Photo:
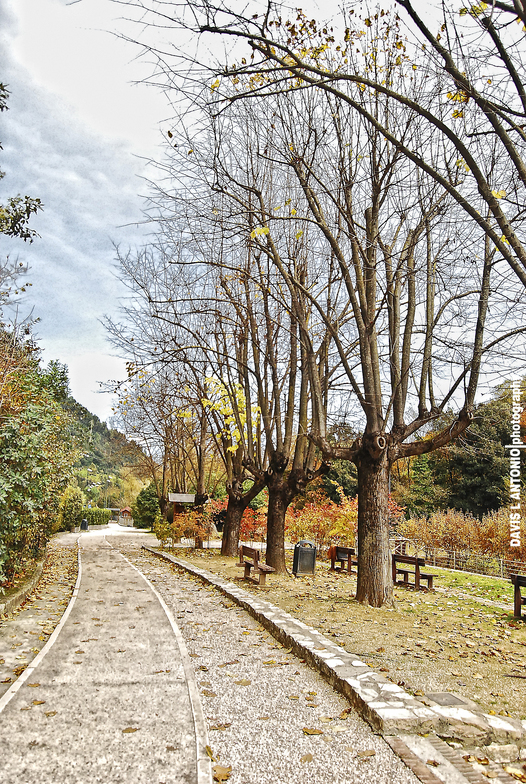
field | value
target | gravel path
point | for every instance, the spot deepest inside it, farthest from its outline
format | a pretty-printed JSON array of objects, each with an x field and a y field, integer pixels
[{"x": 270, "y": 717}]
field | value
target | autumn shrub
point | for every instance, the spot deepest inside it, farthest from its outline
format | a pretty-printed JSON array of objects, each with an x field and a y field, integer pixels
[
  {"x": 254, "y": 525},
  {"x": 462, "y": 532},
  {"x": 323, "y": 521}
]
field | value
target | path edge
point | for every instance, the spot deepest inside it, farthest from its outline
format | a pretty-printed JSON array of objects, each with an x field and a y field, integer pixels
[{"x": 31, "y": 667}]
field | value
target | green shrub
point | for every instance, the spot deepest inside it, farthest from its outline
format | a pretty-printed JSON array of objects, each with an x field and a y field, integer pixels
[
  {"x": 96, "y": 516},
  {"x": 70, "y": 509},
  {"x": 145, "y": 508}
]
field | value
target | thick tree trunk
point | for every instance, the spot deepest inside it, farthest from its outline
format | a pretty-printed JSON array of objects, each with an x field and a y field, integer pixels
[
  {"x": 375, "y": 582},
  {"x": 280, "y": 495},
  {"x": 232, "y": 526}
]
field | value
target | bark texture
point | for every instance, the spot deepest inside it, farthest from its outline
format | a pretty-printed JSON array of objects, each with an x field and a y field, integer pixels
[
  {"x": 280, "y": 494},
  {"x": 231, "y": 529},
  {"x": 375, "y": 582}
]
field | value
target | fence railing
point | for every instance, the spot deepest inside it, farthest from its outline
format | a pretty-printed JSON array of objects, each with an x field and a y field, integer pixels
[{"x": 463, "y": 560}]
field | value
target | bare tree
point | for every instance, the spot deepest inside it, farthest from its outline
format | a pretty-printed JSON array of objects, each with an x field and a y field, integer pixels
[
  {"x": 477, "y": 53},
  {"x": 408, "y": 284}
]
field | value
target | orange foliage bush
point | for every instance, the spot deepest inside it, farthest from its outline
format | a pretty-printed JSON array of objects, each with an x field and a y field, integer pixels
[
  {"x": 324, "y": 522},
  {"x": 460, "y": 531}
]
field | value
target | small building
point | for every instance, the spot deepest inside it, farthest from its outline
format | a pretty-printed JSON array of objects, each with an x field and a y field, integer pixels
[{"x": 125, "y": 517}]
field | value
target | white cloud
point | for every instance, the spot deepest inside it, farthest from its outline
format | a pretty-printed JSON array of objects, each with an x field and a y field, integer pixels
[{"x": 86, "y": 175}]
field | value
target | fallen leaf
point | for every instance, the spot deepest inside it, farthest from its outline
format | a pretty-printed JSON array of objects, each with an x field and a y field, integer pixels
[
  {"x": 33, "y": 685},
  {"x": 516, "y": 773},
  {"x": 79, "y": 651},
  {"x": 203, "y": 668},
  {"x": 309, "y": 731},
  {"x": 367, "y": 753},
  {"x": 221, "y": 773},
  {"x": 50, "y": 713},
  {"x": 483, "y": 760},
  {"x": 478, "y": 676},
  {"x": 263, "y": 718},
  {"x": 6, "y": 680},
  {"x": 221, "y": 726},
  {"x": 170, "y": 748},
  {"x": 243, "y": 682},
  {"x": 210, "y": 753},
  {"x": 307, "y": 757},
  {"x": 325, "y": 719},
  {"x": 469, "y": 758},
  {"x": 434, "y": 763},
  {"x": 131, "y": 729},
  {"x": 38, "y": 702},
  {"x": 491, "y": 774},
  {"x": 208, "y": 693},
  {"x": 293, "y": 697}
]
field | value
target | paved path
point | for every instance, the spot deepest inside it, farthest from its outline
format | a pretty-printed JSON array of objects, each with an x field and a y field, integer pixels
[
  {"x": 111, "y": 698},
  {"x": 114, "y": 696}
]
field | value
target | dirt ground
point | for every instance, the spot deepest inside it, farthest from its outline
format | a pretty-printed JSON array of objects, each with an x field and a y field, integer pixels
[{"x": 433, "y": 641}]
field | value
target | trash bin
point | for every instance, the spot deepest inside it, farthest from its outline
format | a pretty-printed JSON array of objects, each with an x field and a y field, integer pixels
[
  {"x": 304, "y": 558},
  {"x": 84, "y": 525}
]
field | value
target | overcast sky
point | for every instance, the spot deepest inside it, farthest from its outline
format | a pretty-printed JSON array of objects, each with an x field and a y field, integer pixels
[{"x": 76, "y": 136}]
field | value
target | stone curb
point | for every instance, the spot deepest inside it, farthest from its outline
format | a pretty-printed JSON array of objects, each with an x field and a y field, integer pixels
[
  {"x": 385, "y": 706},
  {"x": 17, "y": 598}
]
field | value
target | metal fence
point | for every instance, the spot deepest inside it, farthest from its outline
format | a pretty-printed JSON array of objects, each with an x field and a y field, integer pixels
[{"x": 462, "y": 560}]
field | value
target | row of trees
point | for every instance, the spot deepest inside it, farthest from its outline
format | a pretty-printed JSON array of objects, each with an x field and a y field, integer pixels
[{"x": 313, "y": 263}]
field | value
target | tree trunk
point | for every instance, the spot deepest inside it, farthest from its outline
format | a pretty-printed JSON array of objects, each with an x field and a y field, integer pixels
[
  {"x": 375, "y": 582},
  {"x": 232, "y": 526},
  {"x": 279, "y": 497}
]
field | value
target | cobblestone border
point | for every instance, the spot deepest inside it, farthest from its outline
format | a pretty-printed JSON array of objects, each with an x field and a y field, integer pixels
[
  {"x": 388, "y": 708},
  {"x": 23, "y": 592}
]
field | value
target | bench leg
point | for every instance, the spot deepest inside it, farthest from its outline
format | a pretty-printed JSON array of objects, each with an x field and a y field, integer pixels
[
  {"x": 262, "y": 578},
  {"x": 248, "y": 567},
  {"x": 517, "y": 602}
]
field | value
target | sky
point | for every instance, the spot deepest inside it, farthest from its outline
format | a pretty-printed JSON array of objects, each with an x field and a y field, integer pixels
[{"x": 78, "y": 135}]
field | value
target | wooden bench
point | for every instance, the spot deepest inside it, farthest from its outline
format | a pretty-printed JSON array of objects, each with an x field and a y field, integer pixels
[
  {"x": 249, "y": 559},
  {"x": 519, "y": 581},
  {"x": 344, "y": 555},
  {"x": 408, "y": 560}
]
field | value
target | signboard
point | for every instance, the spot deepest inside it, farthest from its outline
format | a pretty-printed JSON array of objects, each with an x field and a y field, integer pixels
[{"x": 181, "y": 498}]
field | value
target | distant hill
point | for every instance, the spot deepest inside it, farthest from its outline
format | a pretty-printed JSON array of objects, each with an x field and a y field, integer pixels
[{"x": 109, "y": 460}]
